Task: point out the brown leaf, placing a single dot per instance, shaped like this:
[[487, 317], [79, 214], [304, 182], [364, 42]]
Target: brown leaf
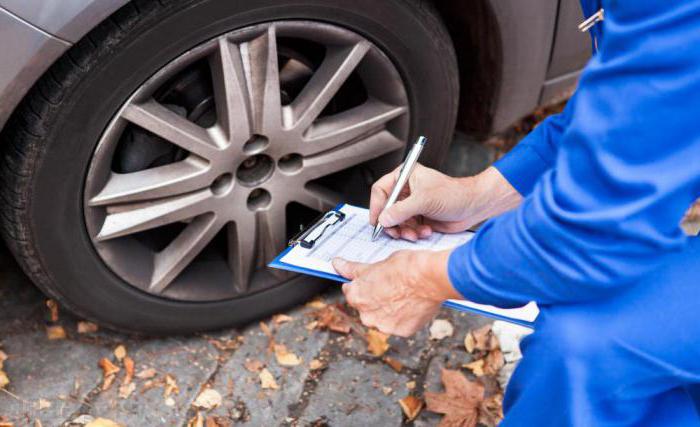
[[267, 381], [53, 310], [440, 329], [170, 386], [377, 342], [253, 365], [208, 399], [285, 357], [459, 403], [120, 352], [85, 327], [146, 374], [332, 318], [491, 410], [102, 422], [278, 319], [3, 358], [316, 303], [196, 421], [214, 421], [477, 367], [4, 380], [109, 372], [316, 364], [125, 390], [411, 406], [55, 332], [129, 368], [393, 363], [37, 423], [226, 344]]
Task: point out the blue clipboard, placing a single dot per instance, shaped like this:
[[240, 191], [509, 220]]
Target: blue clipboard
[[279, 264]]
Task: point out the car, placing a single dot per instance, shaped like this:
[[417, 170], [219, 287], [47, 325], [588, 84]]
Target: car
[[156, 155]]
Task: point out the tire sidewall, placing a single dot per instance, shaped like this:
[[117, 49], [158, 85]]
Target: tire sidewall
[[76, 272]]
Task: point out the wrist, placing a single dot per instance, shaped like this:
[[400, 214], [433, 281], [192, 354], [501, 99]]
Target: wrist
[[491, 195], [433, 276]]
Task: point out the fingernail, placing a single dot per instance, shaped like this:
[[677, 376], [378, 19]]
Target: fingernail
[[338, 263]]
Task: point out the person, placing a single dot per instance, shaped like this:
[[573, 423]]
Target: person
[[585, 216]]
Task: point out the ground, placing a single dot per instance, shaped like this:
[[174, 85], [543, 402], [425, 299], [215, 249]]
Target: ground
[[57, 381]]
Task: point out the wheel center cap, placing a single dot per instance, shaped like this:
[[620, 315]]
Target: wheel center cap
[[255, 170]]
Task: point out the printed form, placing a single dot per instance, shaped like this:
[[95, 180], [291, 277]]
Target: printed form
[[351, 239]]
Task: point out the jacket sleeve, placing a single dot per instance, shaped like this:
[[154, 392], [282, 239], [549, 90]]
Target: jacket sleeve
[[526, 162], [627, 168]]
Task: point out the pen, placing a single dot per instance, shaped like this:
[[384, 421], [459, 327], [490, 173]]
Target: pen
[[406, 169]]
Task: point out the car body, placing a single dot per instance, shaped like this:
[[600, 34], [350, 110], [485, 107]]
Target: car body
[[146, 145]]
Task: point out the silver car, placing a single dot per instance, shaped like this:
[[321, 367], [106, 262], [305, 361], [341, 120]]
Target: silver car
[[157, 154]]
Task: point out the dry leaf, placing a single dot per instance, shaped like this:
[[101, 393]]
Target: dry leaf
[[411, 407], [109, 372], [102, 422], [226, 344], [393, 363], [253, 365], [377, 342], [440, 329], [126, 389], [208, 399], [3, 358], [411, 385], [196, 421], [213, 421], [146, 374], [129, 368], [4, 380], [85, 327], [481, 339], [266, 330], [53, 310], [169, 401], [82, 419], [55, 332], [477, 367], [488, 365], [387, 390], [459, 403], [285, 357], [332, 318], [170, 386], [316, 303], [37, 423], [315, 364], [267, 381], [6, 424], [311, 325], [278, 319], [43, 404], [491, 411], [120, 352]]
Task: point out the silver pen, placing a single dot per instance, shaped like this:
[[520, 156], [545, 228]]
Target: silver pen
[[406, 169]]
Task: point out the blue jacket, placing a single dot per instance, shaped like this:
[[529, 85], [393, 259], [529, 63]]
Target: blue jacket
[[607, 182]]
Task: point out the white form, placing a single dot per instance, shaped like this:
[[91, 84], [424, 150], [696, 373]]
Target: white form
[[351, 239]]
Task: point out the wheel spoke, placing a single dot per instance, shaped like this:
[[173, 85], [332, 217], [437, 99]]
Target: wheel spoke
[[230, 91], [163, 181], [351, 154], [325, 83], [170, 262], [242, 250], [272, 227], [317, 197], [341, 128], [262, 75], [129, 219], [159, 120]]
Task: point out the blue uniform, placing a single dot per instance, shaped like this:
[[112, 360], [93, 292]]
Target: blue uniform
[[596, 242]]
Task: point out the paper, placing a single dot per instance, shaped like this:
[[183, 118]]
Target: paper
[[351, 239]]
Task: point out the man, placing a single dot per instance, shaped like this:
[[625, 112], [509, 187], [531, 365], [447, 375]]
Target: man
[[586, 212]]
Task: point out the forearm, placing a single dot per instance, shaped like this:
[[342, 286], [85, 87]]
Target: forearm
[[491, 195]]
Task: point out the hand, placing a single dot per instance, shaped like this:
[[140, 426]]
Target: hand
[[432, 201], [401, 294]]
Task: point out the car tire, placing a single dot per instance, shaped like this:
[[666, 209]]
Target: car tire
[[49, 141]]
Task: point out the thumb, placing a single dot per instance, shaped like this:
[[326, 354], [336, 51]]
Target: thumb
[[400, 211], [348, 269]]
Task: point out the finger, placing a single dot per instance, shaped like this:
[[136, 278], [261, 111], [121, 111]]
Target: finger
[[424, 231], [367, 319], [401, 211], [393, 232], [380, 193], [348, 269], [409, 233], [350, 292]]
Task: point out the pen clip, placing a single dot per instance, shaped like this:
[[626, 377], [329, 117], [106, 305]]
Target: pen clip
[[308, 238]]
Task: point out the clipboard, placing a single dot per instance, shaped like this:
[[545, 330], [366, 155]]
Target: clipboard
[[321, 230]]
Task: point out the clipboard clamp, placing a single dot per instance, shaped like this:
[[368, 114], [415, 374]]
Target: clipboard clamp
[[307, 238]]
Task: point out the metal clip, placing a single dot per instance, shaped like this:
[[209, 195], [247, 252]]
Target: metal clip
[[589, 22], [308, 238]]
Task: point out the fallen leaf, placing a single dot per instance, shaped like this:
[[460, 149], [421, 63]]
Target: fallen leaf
[[82, 419], [103, 422], [126, 389], [43, 404], [3, 358], [37, 423], [53, 310], [387, 390], [311, 325], [196, 421], [459, 403], [146, 374], [129, 368], [285, 357], [170, 386], [315, 364], [267, 381], [491, 410], [253, 365], [488, 365], [411, 406], [440, 329], [411, 385], [4, 380], [316, 303], [213, 421], [109, 372], [393, 363], [226, 344], [85, 327], [6, 424], [481, 339], [332, 318], [278, 319], [120, 352], [169, 401], [377, 342], [477, 367], [266, 330], [208, 399], [55, 332]]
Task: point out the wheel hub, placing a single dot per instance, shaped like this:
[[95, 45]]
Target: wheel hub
[[269, 126]]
